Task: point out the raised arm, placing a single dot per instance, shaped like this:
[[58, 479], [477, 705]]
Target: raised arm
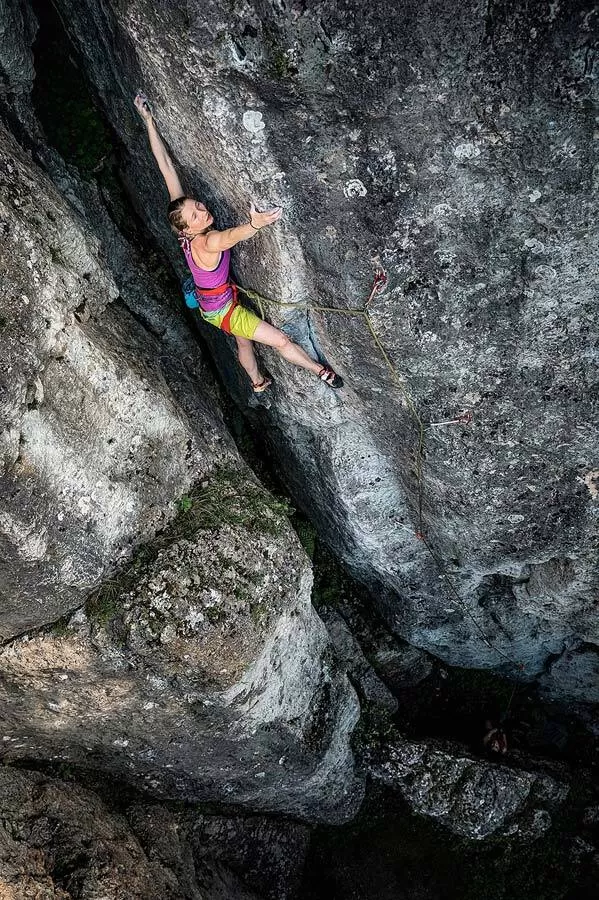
[[224, 240], [165, 163]]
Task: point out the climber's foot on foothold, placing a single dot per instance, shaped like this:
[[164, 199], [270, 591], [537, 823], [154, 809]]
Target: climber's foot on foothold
[[330, 377], [260, 386]]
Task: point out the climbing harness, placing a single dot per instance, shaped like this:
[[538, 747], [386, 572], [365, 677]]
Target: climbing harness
[[225, 325], [464, 418]]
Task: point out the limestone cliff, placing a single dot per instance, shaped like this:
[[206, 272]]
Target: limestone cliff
[[156, 620], [451, 145], [179, 651]]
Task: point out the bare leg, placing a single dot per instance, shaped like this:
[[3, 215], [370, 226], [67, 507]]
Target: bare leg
[[247, 360], [273, 337]]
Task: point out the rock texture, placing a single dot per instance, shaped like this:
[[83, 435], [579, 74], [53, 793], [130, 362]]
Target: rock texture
[[202, 673], [95, 446], [454, 147], [473, 798], [60, 841], [180, 653]]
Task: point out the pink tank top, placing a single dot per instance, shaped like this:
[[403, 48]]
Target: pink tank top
[[203, 278]]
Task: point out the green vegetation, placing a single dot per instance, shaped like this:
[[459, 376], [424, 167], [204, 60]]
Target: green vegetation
[[60, 628], [306, 533], [258, 613], [279, 66], [184, 503], [103, 605], [229, 498]]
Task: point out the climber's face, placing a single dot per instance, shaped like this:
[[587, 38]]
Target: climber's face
[[196, 215]]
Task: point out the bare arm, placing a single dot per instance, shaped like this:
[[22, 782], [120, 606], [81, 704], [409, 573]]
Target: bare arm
[[224, 240], [161, 155]]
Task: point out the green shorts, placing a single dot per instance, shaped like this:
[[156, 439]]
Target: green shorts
[[243, 322]]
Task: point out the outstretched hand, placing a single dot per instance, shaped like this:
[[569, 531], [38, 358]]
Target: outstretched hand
[[261, 219], [143, 107]]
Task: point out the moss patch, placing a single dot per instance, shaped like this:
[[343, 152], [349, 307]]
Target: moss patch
[[227, 497]]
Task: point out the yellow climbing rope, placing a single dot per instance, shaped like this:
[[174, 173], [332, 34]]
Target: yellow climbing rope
[[379, 280]]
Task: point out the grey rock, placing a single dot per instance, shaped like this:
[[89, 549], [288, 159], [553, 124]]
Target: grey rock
[[591, 815], [573, 676], [59, 840], [269, 854], [202, 674], [420, 140], [18, 27], [402, 666], [470, 797], [95, 447], [363, 676], [197, 669]]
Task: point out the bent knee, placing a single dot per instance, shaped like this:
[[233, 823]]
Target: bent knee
[[282, 341]]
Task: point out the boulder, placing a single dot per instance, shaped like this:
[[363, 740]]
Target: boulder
[[201, 672], [471, 797]]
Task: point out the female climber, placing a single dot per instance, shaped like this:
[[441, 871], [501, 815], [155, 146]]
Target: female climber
[[207, 252]]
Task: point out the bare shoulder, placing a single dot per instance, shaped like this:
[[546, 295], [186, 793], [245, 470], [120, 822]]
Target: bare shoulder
[[203, 256]]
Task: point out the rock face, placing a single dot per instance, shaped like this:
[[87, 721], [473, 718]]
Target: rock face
[[58, 840], [61, 841], [178, 652], [202, 674], [95, 447], [473, 798], [426, 141]]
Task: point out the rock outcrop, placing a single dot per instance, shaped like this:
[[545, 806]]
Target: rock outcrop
[[473, 798], [156, 617], [422, 140], [95, 446], [203, 673], [58, 840], [180, 652]]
